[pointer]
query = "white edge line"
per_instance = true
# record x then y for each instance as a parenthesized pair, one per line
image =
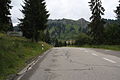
(107, 50)
(86, 51)
(109, 60)
(94, 54)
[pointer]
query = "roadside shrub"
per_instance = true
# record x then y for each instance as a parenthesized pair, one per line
(83, 39)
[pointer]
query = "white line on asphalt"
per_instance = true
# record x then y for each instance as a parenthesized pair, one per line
(107, 50)
(20, 77)
(94, 54)
(86, 51)
(29, 68)
(109, 60)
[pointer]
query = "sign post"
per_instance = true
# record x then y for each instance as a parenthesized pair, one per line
(42, 46)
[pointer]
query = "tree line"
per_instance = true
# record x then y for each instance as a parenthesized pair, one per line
(36, 16)
(100, 30)
(100, 33)
(34, 22)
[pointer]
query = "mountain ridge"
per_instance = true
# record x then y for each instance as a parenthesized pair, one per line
(65, 29)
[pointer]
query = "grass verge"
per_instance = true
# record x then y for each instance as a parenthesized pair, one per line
(109, 47)
(15, 53)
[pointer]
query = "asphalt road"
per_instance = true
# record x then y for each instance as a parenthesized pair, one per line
(76, 64)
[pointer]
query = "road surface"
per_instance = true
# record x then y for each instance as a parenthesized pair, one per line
(75, 64)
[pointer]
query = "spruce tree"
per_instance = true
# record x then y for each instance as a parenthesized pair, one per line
(47, 37)
(5, 20)
(56, 43)
(25, 24)
(35, 18)
(97, 24)
(117, 11)
(117, 31)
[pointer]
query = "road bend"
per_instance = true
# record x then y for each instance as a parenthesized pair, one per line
(75, 64)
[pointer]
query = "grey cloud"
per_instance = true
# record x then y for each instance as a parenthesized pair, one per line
(71, 9)
(110, 6)
(16, 11)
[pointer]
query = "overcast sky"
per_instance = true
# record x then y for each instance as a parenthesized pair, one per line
(70, 9)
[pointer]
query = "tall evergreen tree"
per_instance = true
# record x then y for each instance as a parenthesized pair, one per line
(47, 37)
(117, 31)
(97, 24)
(5, 20)
(117, 11)
(25, 24)
(56, 43)
(35, 18)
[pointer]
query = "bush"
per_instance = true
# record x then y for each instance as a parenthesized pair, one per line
(112, 34)
(83, 39)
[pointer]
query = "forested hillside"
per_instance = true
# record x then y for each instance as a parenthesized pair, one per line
(64, 29)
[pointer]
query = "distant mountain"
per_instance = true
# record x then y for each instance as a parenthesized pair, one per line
(65, 29)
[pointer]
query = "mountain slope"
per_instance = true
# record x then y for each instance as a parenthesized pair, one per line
(65, 29)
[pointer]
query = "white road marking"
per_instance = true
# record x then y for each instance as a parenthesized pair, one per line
(94, 54)
(107, 50)
(20, 77)
(29, 68)
(40, 56)
(34, 63)
(109, 60)
(86, 51)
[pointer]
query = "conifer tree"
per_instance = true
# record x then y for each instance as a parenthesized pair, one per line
(56, 43)
(5, 20)
(117, 11)
(47, 37)
(97, 24)
(35, 19)
(117, 31)
(25, 25)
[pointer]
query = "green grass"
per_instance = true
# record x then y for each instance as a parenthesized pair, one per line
(15, 53)
(109, 47)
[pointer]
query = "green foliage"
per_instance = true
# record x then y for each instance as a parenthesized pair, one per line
(97, 24)
(112, 29)
(5, 20)
(117, 11)
(65, 29)
(35, 19)
(16, 52)
(110, 47)
(56, 43)
(83, 39)
(64, 44)
(47, 37)
(112, 34)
